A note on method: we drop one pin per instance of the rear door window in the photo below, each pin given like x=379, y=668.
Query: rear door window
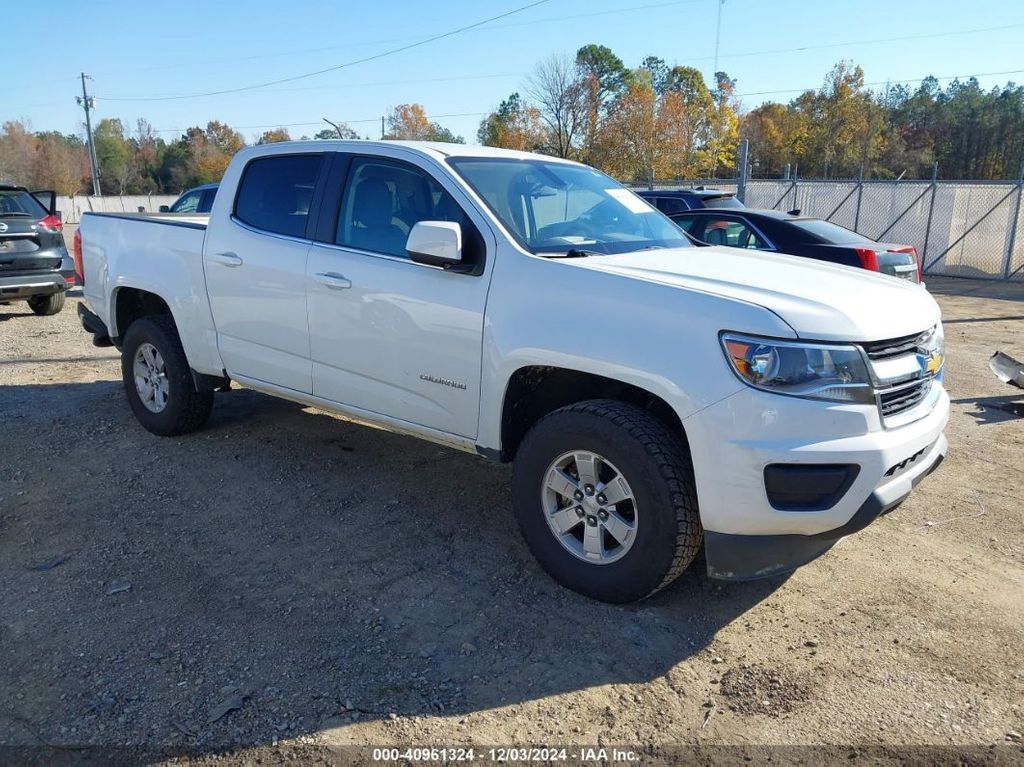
x=275, y=193
x=734, y=232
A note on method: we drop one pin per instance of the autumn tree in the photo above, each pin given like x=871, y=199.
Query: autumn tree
x=17, y=152
x=409, y=122
x=628, y=144
x=514, y=125
x=684, y=119
x=603, y=79
x=60, y=163
x=274, y=136
x=210, y=150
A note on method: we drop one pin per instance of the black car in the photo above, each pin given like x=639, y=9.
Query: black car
x=795, y=235
x=34, y=262
x=670, y=201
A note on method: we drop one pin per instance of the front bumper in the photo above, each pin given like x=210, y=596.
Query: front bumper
x=748, y=557
x=734, y=440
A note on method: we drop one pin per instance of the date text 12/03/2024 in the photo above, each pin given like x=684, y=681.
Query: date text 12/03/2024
x=501, y=755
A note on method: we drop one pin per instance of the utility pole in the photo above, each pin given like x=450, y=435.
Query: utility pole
x=382, y=127
x=87, y=102
x=714, y=74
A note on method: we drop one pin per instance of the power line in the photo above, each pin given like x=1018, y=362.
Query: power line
x=745, y=54
x=279, y=54
x=335, y=68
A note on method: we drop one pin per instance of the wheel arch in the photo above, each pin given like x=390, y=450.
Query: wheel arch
x=533, y=391
x=128, y=304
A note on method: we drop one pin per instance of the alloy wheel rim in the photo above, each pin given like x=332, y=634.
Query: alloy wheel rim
x=589, y=507
x=150, y=378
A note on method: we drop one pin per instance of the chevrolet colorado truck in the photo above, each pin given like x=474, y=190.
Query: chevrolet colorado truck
x=654, y=398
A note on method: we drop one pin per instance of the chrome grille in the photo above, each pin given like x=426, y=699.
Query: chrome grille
x=902, y=398
x=894, y=347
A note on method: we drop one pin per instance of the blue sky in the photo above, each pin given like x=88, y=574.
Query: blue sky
x=137, y=49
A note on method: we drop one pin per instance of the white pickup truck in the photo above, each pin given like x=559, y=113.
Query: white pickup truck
x=655, y=397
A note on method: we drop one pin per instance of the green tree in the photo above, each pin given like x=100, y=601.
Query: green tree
x=115, y=156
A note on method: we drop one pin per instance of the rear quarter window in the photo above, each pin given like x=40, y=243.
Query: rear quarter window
x=275, y=193
x=15, y=202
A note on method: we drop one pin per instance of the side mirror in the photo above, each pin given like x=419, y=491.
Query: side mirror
x=436, y=243
x=165, y=208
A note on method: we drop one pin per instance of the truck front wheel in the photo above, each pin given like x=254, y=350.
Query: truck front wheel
x=158, y=379
x=605, y=498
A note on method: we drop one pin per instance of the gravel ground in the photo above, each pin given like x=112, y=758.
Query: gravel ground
x=286, y=579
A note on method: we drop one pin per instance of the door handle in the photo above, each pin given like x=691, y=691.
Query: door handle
x=227, y=259
x=333, y=280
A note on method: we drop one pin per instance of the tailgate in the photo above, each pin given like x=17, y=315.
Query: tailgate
x=29, y=240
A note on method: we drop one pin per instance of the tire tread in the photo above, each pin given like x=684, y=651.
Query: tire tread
x=194, y=407
x=672, y=458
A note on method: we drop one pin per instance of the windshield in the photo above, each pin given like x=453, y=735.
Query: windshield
x=554, y=207
x=827, y=231
x=17, y=202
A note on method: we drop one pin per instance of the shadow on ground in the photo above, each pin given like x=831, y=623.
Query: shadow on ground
x=994, y=409
x=281, y=572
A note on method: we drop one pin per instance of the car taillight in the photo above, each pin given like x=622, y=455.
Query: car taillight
x=50, y=224
x=868, y=258
x=917, y=259
x=76, y=254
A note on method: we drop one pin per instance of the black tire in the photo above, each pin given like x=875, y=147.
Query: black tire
x=655, y=462
x=187, y=409
x=45, y=306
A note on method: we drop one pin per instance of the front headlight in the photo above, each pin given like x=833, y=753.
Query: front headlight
x=814, y=371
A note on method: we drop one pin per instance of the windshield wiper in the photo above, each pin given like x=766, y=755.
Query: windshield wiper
x=574, y=253
x=8, y=214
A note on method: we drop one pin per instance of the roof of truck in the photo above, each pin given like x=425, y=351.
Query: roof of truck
x=436, y=149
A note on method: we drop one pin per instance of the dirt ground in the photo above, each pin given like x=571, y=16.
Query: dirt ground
x=285, y=579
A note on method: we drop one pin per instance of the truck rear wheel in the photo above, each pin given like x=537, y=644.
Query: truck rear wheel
x=45, y=306
x=158, y=379
x=605, y=498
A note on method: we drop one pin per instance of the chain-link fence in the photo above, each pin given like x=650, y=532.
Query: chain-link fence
x=71, y=208
x=960, y=228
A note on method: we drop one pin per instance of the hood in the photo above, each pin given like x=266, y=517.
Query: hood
x=820, y=301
